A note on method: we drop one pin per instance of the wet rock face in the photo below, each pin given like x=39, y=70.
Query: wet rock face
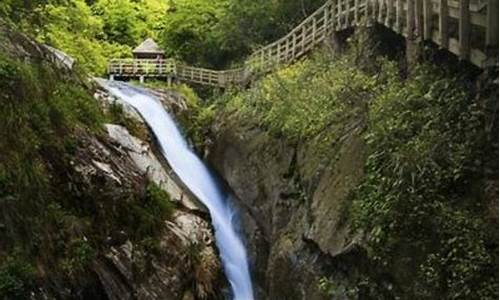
x=291, y=203
x=188, y=264
x=165, y=277
x=115, y=167
x=145, y=160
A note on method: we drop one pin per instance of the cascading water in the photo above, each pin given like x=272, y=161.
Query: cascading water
x=195, y=175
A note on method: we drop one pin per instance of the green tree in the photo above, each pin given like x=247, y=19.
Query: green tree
x=121, y=21
x=189, y=32
x=249, y=24
x=74, y=29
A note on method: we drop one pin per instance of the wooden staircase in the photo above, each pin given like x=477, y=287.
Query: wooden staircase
x=466, y=28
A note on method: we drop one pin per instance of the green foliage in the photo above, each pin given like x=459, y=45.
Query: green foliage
x=188, y=32
x=420, y=203
x=151, y=246
x=248, y=24
x=306, y=101
x=120, y=18
x=38, y=119
x=334, y=290
x=220, y=33
x=74, y=29
x=145, y=217
x=16, y=278
x=208, y=33
x=198, y=117
x=80, y=255
x=152, y=212
x=428, y=149
x=158, y=201
x=26, y=14
x=128, y=22
x=92, y=33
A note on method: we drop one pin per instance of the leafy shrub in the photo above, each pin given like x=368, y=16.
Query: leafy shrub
x=79, y=256
x=307, y=102
x=198, y=117
x=16, y=278
x=40, y=112
x=149, y=216
x=158, y=201
x=416, y=204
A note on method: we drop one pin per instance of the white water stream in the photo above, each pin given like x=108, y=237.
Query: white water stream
x=196, y=176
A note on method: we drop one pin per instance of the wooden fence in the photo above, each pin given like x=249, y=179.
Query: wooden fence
x=139, y=67
x=467, y=28
x=210, y=77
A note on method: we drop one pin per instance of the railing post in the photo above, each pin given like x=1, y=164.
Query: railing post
x=347, y=13
x=278, y=53
x=339, y=14
x=270, y=60
x=492, y=23
x=419, y=19
x=388, y=17
x=492, y=32
x=367, y=11
x=220, y=78
x=399, y=16
x=325, y=21
x=410, y=20
x=287, y=51
x=356, y=12
x=375, y=10
x=303, y=40
x=427, y=19
x=380, y=11
x=443, y=23
x=464, y=29
x=332, y=14
x=313, y=40
x=262, y=60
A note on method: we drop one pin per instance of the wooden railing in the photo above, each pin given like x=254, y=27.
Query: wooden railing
x=135, y=67
x=141, y=68
x=467, y=28
x=311, y=32
x=210, y=77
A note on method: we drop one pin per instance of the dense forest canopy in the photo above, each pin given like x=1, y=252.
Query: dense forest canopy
x=207, y=33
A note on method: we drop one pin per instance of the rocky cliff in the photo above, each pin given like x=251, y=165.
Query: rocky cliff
x=359, y=179
x=102, y=215
x=292, y=203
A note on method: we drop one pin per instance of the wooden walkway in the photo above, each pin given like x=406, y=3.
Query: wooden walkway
x=466, y=28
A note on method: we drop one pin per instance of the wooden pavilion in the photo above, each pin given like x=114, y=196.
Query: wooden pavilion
x=148, y=49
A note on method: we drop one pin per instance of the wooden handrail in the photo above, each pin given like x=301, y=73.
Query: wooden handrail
x=336, y=15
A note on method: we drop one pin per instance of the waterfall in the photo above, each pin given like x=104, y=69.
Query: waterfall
x=196, y=176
